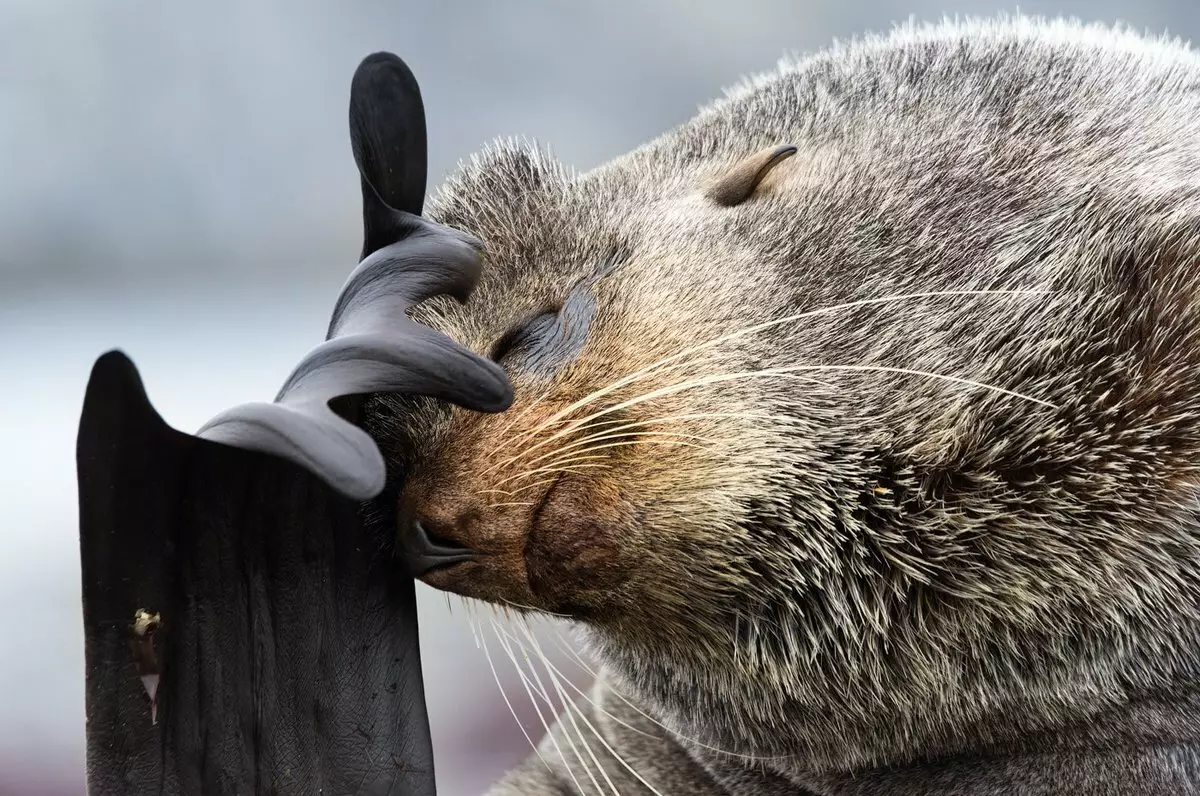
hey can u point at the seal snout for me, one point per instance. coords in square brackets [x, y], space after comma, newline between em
[453, 540]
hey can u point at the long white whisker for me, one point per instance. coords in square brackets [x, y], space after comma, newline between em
[716, 378]
[497, 491]
[618, 422]
[546, 662]
[565, 463]
[480, 640]
[612, 433]
[660, 392]
[508, 427]
[515, 492]
[570, 740]
[541, 716]
[539, 610]
[567, 648]
[570, 708]
[766, 416]
[576, 711]
[776, 322]
[553, 419]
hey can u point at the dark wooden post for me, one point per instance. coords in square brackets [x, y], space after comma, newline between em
[250, 628]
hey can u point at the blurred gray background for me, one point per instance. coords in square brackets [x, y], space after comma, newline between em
[175, 180]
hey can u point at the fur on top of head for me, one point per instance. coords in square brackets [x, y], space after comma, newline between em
[903, 441]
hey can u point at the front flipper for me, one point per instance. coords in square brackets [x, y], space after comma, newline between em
[372, 346]
[248, 627]
[285, 658]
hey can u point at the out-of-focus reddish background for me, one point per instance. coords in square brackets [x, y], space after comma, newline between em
[175, 180]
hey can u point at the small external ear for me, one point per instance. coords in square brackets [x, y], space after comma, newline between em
[738, 184]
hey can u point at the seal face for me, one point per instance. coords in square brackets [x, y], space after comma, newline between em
[857, 418]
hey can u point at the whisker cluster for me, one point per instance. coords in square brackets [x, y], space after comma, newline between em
[546, 686]
[547, 691]
[582, 434]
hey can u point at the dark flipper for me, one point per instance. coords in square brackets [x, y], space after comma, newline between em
[231, 579]
[371, 345]
[288, 640]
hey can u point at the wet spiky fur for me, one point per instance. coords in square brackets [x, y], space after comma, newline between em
[878, 582]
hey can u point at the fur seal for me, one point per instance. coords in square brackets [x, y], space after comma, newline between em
[857, 425]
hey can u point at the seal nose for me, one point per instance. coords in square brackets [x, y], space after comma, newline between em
[424, 550]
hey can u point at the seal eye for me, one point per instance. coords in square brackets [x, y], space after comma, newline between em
[533, 329]
[548, 339]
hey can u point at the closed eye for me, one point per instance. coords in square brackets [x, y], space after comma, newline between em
[526, 333]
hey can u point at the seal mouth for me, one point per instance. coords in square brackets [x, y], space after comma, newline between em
[425, 552]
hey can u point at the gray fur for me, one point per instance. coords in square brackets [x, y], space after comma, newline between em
[880, 583]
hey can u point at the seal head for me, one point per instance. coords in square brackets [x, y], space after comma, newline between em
[855, 419]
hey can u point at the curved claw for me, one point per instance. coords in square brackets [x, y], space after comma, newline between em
[427, 261]
[312, 436]
[412, 359]
[371, 344]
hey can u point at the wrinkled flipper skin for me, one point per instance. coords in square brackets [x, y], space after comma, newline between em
[288, 645]
[284, 654]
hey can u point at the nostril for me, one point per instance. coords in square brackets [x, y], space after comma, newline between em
[433, 531]
[425, 550]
